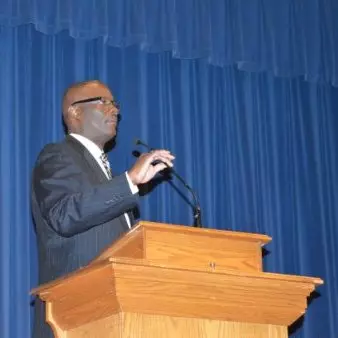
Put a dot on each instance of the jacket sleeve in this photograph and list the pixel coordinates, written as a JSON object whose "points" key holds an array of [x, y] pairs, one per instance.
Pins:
{"points": [[69, 206]]}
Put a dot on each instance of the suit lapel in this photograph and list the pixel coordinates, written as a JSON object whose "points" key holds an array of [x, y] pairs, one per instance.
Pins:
{"points": [[86, 160]]}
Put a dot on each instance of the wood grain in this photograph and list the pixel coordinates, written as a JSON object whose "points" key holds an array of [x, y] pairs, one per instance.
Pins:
{"points": [[233, 297], [74, 300], [200, 253], [152, 326], [120, 285], [172, 281], [109, 327], [133, 325], [181, 246]]}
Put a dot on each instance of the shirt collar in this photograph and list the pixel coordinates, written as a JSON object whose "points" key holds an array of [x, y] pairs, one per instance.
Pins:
{"points": [[93, 148]]}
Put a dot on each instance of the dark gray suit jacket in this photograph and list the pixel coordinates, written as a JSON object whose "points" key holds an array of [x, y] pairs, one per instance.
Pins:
{"points": [[77, 212]]}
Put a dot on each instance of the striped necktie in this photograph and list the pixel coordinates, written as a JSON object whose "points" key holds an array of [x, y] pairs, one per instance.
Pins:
{"points": [[106, 165]]}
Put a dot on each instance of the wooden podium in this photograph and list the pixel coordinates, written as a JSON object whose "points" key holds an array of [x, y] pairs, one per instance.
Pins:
{"points": [[167, 281]]}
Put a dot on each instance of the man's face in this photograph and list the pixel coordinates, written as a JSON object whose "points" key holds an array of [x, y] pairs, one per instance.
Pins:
{"points": [[98, 119]]}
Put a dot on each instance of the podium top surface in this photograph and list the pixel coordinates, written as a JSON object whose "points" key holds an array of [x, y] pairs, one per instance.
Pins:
{"points": [[183, 229]]}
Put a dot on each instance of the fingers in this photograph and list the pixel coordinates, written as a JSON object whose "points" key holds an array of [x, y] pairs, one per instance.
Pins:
{"points": [[163, 156], [144, 169], [159, 167]]}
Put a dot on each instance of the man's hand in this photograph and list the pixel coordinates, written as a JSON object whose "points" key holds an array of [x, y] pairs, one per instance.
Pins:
{"points": [[143, 170]]}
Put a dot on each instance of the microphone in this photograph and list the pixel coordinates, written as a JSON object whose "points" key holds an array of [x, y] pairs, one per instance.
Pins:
{"points": [[139, 142], [196, 207]]}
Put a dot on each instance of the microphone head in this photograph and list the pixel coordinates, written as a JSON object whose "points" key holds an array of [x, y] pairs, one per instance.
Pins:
{"points": [[139, 142], [136, 153]]}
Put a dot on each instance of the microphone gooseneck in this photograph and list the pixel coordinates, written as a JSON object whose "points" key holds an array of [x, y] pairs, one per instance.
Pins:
{"points": [[196, 206]]}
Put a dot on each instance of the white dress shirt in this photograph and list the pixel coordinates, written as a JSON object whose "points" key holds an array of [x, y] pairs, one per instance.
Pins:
{"points": [[96, 152]]}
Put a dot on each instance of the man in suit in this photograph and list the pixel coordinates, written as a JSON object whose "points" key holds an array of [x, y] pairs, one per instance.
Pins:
{"points": [[78, 207]]}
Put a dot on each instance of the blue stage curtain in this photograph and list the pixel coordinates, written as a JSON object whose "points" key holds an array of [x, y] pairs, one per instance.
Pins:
{"points": [[287, 38], [259, 150]]}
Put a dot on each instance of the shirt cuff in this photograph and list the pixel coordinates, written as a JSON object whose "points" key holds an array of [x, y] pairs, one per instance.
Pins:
{"points": [[132, 186]]}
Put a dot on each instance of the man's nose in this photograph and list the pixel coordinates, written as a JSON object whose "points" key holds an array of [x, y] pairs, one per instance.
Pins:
{"points": [[115, 110], [112, 111]]}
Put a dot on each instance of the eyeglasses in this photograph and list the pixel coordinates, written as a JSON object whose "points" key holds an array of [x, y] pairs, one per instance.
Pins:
{"points": [[101, 100]]}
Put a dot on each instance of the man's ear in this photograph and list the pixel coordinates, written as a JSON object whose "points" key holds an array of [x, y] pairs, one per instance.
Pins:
{"points": [[74, 112]]}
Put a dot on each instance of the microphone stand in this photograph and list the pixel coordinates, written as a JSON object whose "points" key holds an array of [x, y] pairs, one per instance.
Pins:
{"points": [[196, 206]]}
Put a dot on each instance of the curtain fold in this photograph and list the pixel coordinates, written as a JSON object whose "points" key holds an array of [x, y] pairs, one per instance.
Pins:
{"points": [[260, 152], [286, 38], [16, 235]]}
